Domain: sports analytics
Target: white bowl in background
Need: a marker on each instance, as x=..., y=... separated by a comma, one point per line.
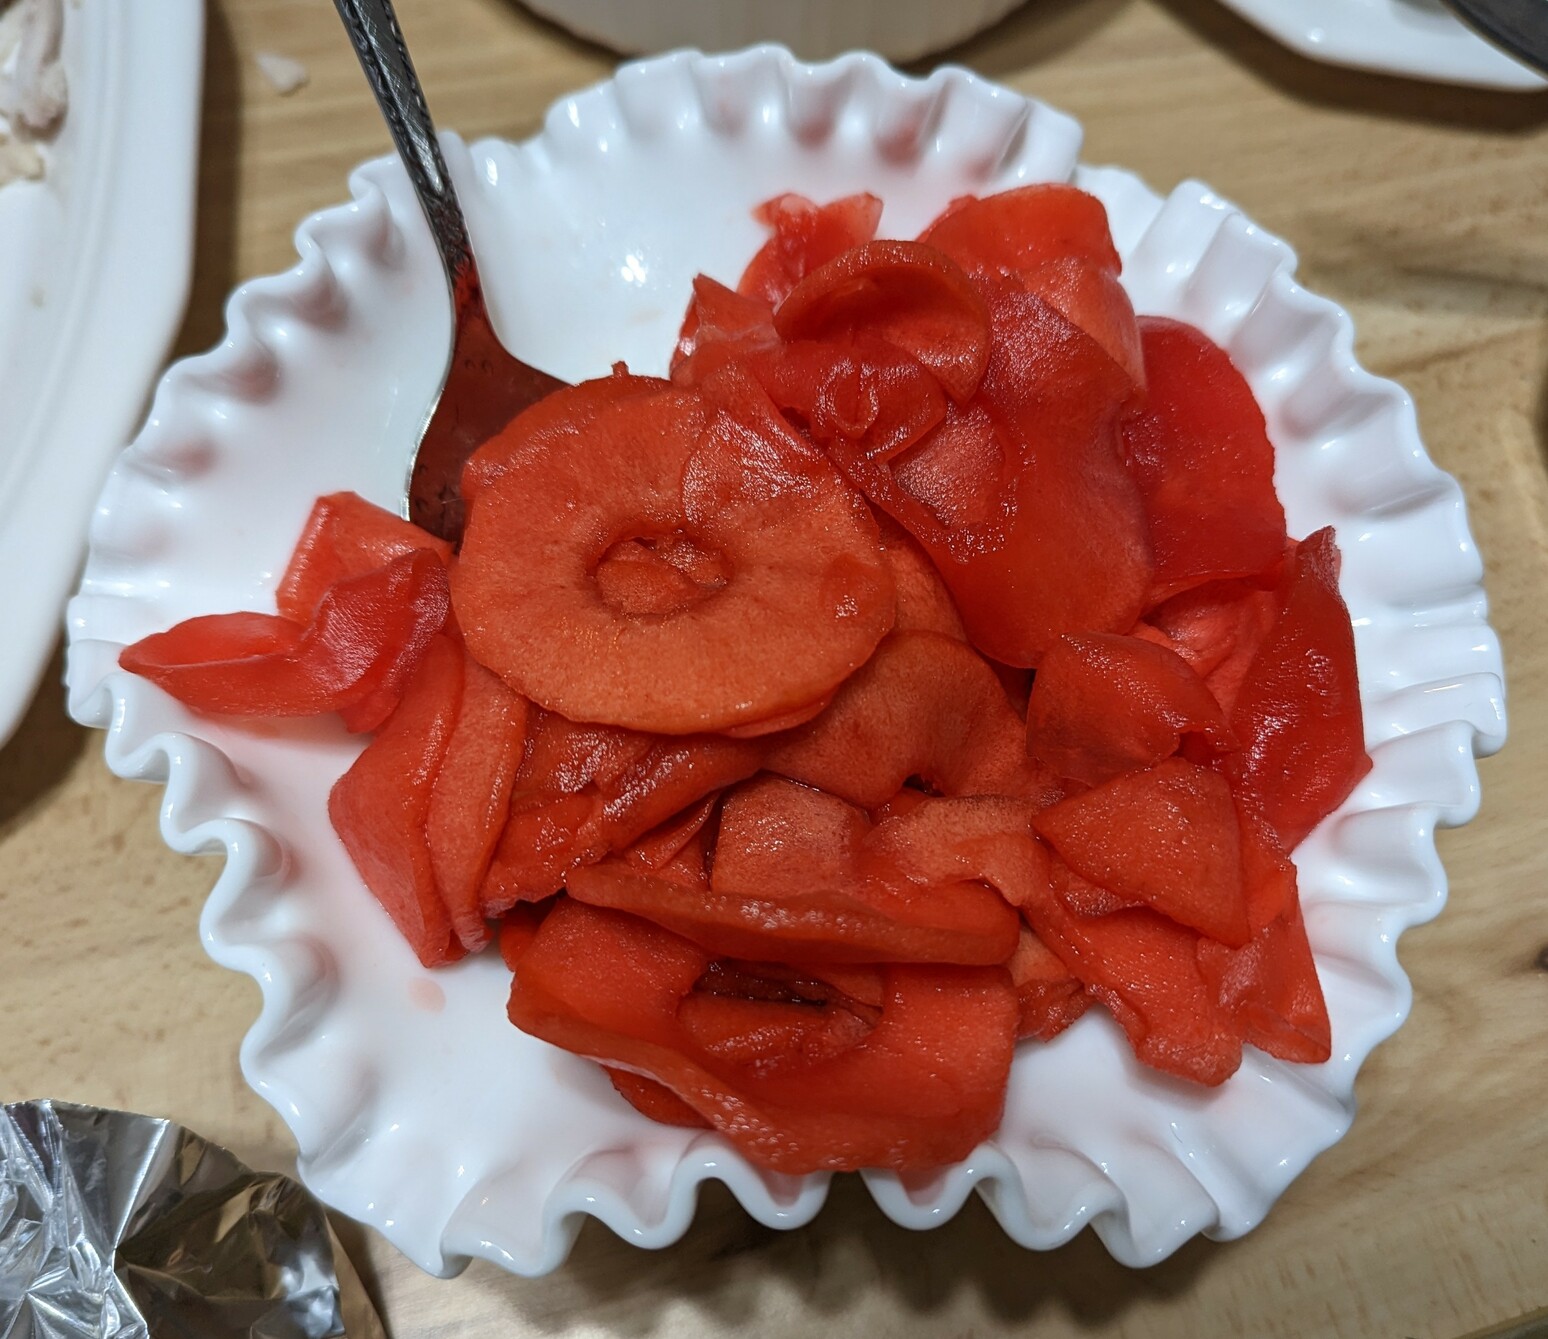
x=1418, y=38
x=900, y=30
x=416, y=1107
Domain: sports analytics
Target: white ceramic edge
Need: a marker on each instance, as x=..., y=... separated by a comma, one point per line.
x=900, y=30
x=133, y=219
x=1389, y=37
x=1431, y=676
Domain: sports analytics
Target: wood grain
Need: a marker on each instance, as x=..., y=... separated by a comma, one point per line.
x=1425, y=211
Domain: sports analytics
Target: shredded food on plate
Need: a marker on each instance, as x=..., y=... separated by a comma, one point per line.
x=33, y=90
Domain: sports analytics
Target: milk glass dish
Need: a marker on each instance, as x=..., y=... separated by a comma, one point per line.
x=415, y=1105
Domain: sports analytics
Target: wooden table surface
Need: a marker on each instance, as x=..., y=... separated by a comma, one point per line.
x=1424, y=210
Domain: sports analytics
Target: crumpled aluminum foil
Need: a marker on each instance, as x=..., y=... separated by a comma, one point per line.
x=118, y=1226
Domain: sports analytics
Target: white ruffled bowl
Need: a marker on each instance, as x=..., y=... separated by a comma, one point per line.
x=415, y=1105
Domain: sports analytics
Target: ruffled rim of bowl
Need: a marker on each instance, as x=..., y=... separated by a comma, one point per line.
x=1431, y=672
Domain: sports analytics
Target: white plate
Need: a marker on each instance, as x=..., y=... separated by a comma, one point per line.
x=95, y=261
x=415, y=1105
x=1420, y=38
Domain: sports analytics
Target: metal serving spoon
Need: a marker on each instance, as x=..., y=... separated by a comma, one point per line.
x=1517, y=27
x=484, y=386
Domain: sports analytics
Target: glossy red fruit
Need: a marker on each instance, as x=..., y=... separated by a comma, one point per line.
x=519, y=927
x=903, y=293
x=804, y=598
x=381, y=805
x=1039, y=448
x=1092, y=298
x=1103, y=704
x=926, y=706
x=1049, y=996
x=1217, y=629
x=792, y=881
x=655, y=1100
x=665, y=842
x=614, y=988
x=1199, y=449
x=862, y=400
x=805, y=236
x=1270, y=988
x=471, y=798
x=1051, y=240
x=952, y=484
x=1267, y=870
x=775, y=725
x=211, y=639
x=1012, y=233
x=1167, y=836
x=1298, y=712
x=557, y=425
x=1145, y=969
x=346, y=536
x=585, y=792
x=721, y=318
x=861, y=986
x=1083, y=897
x=984, y=839
x=365, y=639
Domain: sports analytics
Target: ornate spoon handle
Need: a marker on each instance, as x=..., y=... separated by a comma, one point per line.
x=373, y=28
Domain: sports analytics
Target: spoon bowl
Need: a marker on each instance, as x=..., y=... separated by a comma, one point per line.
x=484, y=386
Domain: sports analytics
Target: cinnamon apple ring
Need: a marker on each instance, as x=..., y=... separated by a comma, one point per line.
x=683, y=563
